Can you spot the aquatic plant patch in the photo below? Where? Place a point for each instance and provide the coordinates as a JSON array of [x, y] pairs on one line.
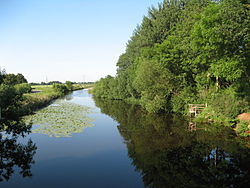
[[61, 119]]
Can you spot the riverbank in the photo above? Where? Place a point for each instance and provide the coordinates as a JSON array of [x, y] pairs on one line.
[[240, 123], [43, 95]]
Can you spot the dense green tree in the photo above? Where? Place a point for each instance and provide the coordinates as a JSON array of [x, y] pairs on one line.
[[2, 73], [12, 79], [155, 84], [12, 88], [60, 88], [219, 40], [9, 99], [185, 51], [69, 85]]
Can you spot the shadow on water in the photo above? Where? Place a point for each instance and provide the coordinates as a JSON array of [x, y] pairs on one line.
[[14, 154], [167, 154]]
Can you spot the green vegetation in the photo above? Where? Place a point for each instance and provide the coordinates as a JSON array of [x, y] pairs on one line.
[[69, 86], [23, 88], [12, 79], [242, 128], [61, 119], [18, 98], [187, 51], [60, 88], [12, 88], [44, 94]]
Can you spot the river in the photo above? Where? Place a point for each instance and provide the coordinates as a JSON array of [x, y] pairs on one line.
[[102, 143]]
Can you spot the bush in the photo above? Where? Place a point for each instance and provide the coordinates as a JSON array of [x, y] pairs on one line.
[[60, 88], [242, 127], [7, 95], [23, 88], [226, 102], [69, 85], [9, 100], [223, 106], [181, 100]]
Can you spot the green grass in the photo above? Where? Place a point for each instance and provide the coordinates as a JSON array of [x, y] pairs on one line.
[[82, 86], [45, 91], [43, 95], [42, 91]]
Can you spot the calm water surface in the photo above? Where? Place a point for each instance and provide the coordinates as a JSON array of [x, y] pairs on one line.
[[125, 147]]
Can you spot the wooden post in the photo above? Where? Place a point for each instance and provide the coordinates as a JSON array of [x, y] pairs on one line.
[[217, 83], [196, 108]]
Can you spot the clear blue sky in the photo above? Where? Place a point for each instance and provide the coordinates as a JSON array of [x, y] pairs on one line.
[[66, 39]]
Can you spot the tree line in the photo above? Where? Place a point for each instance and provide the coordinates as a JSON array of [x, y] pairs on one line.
[[12, 90], [186, 51]]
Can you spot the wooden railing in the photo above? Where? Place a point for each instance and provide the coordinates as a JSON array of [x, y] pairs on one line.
[[196, 108]]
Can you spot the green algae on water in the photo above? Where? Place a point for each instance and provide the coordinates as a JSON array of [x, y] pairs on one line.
[[61, 119]]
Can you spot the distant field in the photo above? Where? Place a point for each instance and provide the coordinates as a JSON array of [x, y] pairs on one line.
[[44, 91], [42, 95]]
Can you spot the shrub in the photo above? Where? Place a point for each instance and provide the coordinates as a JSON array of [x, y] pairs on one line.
[[242, 127], [23, 88], [226, 102], [60, 88], [9, 100], [69, 85], [181, 100]]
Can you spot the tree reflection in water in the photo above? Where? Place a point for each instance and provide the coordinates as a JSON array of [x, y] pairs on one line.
[[12, 153], [167, 154]]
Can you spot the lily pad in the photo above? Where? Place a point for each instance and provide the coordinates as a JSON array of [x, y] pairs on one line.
[[61, 119]]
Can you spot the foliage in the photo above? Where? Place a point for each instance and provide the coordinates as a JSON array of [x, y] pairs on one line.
[[180, 100], [2, 73], [69, 85], [12, 79], [154, 84], [60, 88], [9, 99], [18, 98], [23, 88], [224, 106], [42, 95], [186, 51], [242, 128], [7, 95], [12, 88]]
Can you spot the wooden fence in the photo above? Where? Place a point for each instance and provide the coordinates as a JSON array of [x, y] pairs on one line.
[[196, 108]]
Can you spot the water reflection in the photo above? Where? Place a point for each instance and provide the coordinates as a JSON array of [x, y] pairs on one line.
[[192, 126], [14, 154], [69, 97], [168, 154]]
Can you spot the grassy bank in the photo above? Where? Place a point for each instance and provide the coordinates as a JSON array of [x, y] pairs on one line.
[[240, 123], [43, 95]]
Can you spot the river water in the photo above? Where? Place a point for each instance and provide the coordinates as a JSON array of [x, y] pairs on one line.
[[121, 146]]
